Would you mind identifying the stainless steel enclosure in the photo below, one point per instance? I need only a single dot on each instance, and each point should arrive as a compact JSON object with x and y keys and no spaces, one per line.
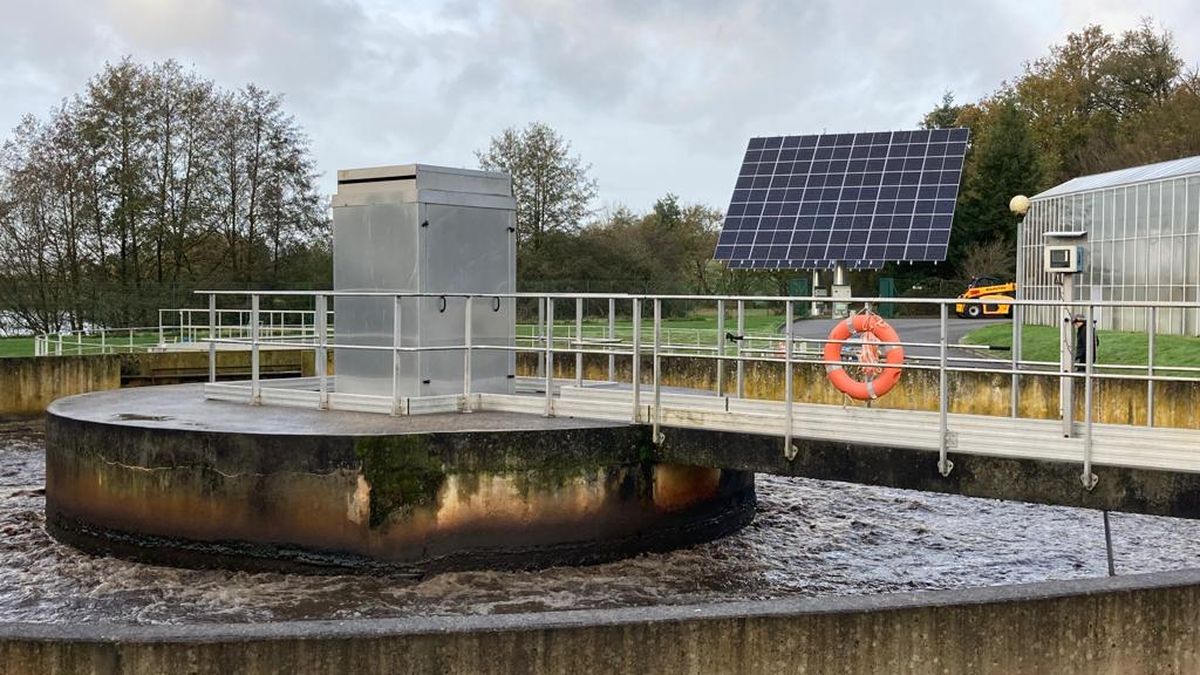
{"x":427,"y":229}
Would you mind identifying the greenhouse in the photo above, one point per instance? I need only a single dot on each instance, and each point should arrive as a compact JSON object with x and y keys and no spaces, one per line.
{"x":1140,"y":228}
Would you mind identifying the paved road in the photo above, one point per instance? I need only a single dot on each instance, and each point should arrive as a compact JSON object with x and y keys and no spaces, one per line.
{"x":911,"y":330}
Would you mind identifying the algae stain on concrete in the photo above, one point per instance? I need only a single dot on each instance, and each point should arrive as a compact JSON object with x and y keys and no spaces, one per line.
{"x":402,"y":474}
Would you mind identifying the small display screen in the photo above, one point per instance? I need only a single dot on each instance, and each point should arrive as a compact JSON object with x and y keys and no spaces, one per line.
{"x":1060,"y":257}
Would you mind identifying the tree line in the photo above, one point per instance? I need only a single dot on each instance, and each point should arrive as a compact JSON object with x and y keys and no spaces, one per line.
{"x":154,"y":181}
{"x":151,"y":182}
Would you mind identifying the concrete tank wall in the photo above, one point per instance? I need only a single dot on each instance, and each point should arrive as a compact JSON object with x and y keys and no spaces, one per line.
{"x":1106,"y":626}
{"x":28,"y":385}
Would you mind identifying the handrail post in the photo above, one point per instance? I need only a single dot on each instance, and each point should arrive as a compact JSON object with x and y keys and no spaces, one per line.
{"x":549,"y":357}
{"x":578,"y":342}
{"x":322,"y":355}
{"x":1089,"y":349}
{"x":789,"y":450}
{"x":741,"y":367}
{"x":612,"y":335}
{"x":255,"y":385}
{"x":1153,"y":328}
{"x":541,"y":327}
{"x":636,"y":366}
{"x":945,"y":466}
{"x":656,"y":432}
{"x":397,"y":313}
{"x":1017,"y":317}
{"x":212,"y":345}
{"x":467,"y":355}
{"x":720,"y":348}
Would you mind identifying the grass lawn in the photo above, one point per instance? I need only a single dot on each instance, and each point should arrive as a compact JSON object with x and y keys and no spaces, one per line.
{"x":22,"y":345}
{"x":1041,"y":343}
{"x":702,"y":325}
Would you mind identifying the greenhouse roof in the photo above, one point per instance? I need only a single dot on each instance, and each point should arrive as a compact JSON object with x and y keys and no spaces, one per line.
{"x":1137,"y":174}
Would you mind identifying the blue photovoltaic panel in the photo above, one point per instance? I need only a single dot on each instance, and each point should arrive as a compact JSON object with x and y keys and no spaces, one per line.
{"x":859,"y":200}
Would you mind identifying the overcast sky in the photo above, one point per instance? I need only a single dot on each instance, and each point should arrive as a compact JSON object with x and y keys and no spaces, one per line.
{"x":658,"y":95}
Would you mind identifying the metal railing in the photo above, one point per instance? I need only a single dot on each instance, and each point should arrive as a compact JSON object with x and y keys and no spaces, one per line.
{"x":733,"y":351}
{"x":177,"y":328}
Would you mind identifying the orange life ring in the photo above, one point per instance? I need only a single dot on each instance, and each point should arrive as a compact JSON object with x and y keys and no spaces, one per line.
{"x":872,"y":328}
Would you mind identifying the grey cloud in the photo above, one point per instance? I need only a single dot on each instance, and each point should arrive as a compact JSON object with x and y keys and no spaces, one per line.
{"x":659,"y":95}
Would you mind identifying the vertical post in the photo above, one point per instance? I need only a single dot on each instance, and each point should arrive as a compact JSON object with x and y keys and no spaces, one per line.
{"x":212,"y":345}
{"x":130,"y":340}
{"x":549,"y":357}
{"x":538,"y":331}
{"x":741,"y":339}
{"x":79,"y":342}
{"x":1017,"y":318}
{"x":1066,"y":382}
{"x":578,"y":342}
{"x":103,"y":341}
{"x":322,"y":364}
{"x":720,"y":348}
{"x":636,"y":367}
{"x":58,"y":348}
{"x":656,"y":433}
{"x":467,"y":355}
{"x":789,"y":452}
{"x":397,"y":313}
{"x":255,"y":385}
{"x":612,"y":335}
{"x":1150,"y":331}
{"x":1089,"y":350}
{"x":816,"y":281}
{"x":945,"y":466}
{"x":161,"y":340}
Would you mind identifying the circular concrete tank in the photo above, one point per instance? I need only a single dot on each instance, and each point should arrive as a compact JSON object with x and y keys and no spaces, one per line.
{"x":162,"y":475}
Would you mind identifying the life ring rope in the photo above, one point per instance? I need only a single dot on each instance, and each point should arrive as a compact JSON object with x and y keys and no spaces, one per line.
{"x":878,"y":339}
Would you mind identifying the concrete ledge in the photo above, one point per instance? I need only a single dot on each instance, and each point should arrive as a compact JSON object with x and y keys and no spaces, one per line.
{"x":1163,"y":493}
{"x":1136,"y":624}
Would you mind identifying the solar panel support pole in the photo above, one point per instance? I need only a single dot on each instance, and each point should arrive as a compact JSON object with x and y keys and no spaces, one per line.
{"x":741,"y":367}
{"x":816,"y":281}
{"x":789,"y":450}
{"x":945,"y":466}
{"x":720,"y":348}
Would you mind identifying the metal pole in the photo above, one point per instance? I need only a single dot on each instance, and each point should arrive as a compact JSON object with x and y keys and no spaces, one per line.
{"x":578,"y":342}
{"x":741,"y":331}
{"x":549,"y":357}
{"x":103,"y":341}
{"x":637,"y":360}
{"x":322,"y":365}
{"x":1150,"y":366}
{"x":467,"y":356}
{"x":1089,"y":478}
{"x":945,"y":466}
{"x":720,"y":348}
{"x":161,"y":340}
{"x":656,"y":433}
{"x":612,"y":335}
{"x":255,"y":385}
{"x":789,"y":451}
{"x":816,"y":281}
{"x":1015,"y":394}
{"x":1066,"y":386}
{"x":538,"y":332}
{"x":397,"y":313}
{"x":212,"y":345}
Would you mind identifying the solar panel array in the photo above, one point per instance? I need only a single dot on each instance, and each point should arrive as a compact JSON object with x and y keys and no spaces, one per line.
{"x":858,"y":200}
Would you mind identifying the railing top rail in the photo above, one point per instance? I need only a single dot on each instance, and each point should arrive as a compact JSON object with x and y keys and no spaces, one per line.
{"x":714,"y":298}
